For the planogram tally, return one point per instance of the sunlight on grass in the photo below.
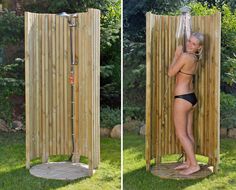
(14, 176)
(136, 177)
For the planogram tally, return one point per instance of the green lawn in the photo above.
(136, 177)
(14, 176)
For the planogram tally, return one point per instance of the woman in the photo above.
(184, 67)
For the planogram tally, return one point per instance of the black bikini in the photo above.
(190, 97)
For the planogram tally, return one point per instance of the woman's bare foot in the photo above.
(182, 166)
(190, 170)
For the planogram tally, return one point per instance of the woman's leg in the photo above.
(185, 121)
(190, 125)
(190, 131)
(181, 110)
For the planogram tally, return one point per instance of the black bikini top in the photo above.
(196, 57)
(187, 73)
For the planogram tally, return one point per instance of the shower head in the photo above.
(185, 9)
(71, 21)
(64, 14)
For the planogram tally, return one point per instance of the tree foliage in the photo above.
(227, 110)
(11, 29)
(228, 40)
(11, 84)
(134, 15)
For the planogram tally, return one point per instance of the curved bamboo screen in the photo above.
(160, 47)
(48, 89)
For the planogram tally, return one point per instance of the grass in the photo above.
(136, 177)
(14, 176)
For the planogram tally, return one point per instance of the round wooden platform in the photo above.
(167, 171)
(60, 170)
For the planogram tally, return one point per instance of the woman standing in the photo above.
(184, 67)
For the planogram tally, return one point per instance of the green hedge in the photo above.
(110, 117)
(227, 110)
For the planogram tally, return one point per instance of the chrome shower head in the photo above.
(64, 14)
(71, 21)
(185, 9)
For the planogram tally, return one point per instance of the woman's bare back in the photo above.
(184, 78)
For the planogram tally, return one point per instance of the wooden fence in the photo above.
(48, 88)
(161, 44)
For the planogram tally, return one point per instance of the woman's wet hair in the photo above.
(200, 38)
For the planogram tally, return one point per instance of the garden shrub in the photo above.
(110, 117)
(227, 110)
(11, 84)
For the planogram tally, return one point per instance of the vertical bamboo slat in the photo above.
(40, 84)
(54, 105)
(37, 76)
(50, 136)
(27, 90)
(96, 44)
(148, 90)
(57, 88)
(61, 133)
(33, 73)
(46, 88)
(173, 47)
(90, 87)
(159, 133)
(217, 91)
(153, 100)
(44, 159)
(155, 75)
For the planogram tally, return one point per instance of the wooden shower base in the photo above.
(167, 171)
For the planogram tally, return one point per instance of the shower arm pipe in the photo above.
(72, 23)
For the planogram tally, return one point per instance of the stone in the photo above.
(105, 132)
(3, 126)
(116, 131)
(17, 125)
(223, 132)
(142, 130)
(232, 133)
(132, 126)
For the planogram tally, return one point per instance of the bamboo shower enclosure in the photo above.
(48, 88)
(161, 44)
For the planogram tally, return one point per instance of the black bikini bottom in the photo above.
(191, 97)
